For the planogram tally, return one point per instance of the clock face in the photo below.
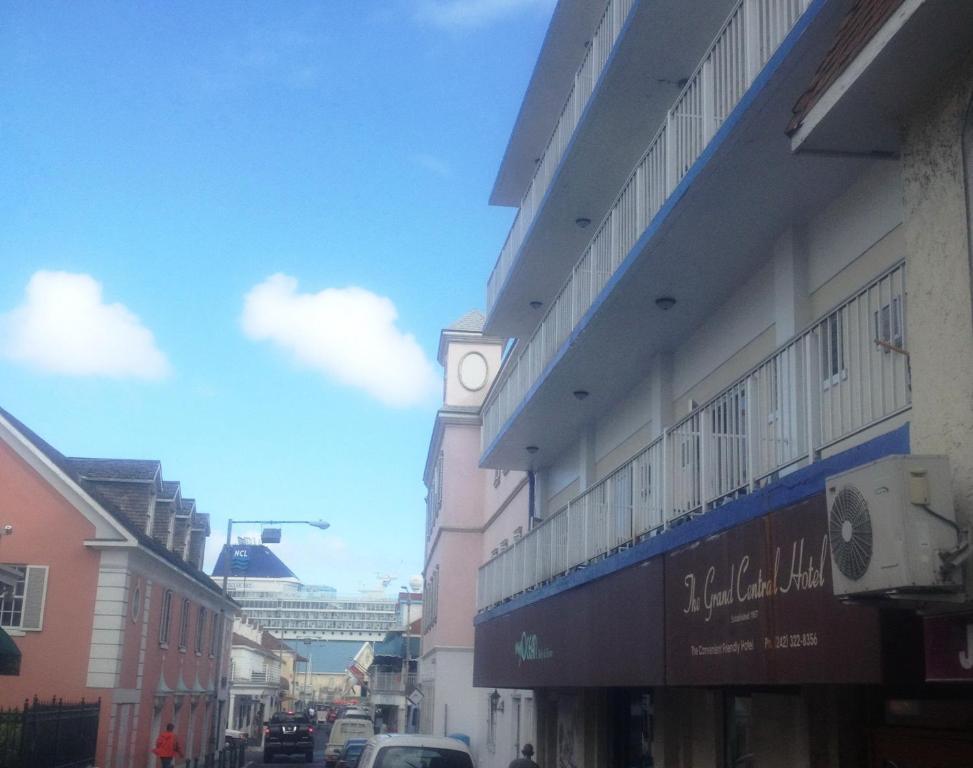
(473, 371)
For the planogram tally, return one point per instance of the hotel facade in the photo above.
(739, 383)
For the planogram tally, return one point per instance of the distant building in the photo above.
(262, 672)
(271, 595)
(107, 600)
(471, 515)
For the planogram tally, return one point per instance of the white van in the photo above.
(342, 730)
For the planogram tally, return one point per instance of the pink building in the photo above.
(470, 514)
(110, 602)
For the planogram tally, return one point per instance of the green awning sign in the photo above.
(9, 655)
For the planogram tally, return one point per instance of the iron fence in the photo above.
(51, 734)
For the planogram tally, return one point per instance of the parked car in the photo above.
(351, 753)
(286, 734)
(343, 729)
(393, 750)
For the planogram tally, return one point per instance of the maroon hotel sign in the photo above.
(754, 605)
(949, 648)
(602, 633)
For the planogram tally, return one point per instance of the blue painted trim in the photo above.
(637, 250)
(789, 490)
(595, 91)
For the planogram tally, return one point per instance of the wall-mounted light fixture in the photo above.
(665, 303)
(496, 701)
(532, 449)
(582, 222)
(580, 394)
(535, 304)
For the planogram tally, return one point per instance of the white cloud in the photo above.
(64, 326)
(348, 334)
(474, 13)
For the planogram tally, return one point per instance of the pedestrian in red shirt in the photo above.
(167, 746)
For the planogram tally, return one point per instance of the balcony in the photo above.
(747, 41)
(602, 42)
(629, 76)
(256, 678)
(391, 682)
(844, 374)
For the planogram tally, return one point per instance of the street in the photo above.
(255, 754)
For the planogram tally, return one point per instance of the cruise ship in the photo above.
(271, 595)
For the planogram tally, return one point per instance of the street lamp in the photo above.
(229, 533)
(405, 676)
(321, 524)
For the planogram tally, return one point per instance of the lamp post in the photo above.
(321, 524)
(405, 675)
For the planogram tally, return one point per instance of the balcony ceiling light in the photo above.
(582, 222)
(580, 394)
(532, 449)
(665, 303)
(535, 304)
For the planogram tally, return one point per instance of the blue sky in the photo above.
(231, 232)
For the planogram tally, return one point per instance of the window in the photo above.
(888, 324)
(200, 628)
(214, 632)
(22, 603)
(164, 619)
(184, 625)
(12, 598)
(832, 339)
(136, 608)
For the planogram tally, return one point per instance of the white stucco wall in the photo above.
(743, 317)
(939, 323)
(854, 221)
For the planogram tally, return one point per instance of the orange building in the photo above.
(110, 602)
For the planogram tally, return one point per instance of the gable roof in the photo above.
(472, 322)
(126, 470)
(64, 465)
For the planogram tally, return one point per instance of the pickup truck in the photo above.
(287, 734)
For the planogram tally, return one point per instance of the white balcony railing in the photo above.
(845, 373)
(602, 42)
(390, 682)
(744, 45)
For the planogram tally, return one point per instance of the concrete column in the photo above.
(791, 305)
(586, 459)
(938, 308)
(660, 382)
(541, 487)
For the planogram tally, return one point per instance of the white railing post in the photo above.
(665, 484)
(811, 390)
(751, 425)
(672, 160)
(702, 471)
(707, 97)
(751, 35)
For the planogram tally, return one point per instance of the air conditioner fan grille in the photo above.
(850, 532)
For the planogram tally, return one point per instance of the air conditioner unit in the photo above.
(893, 529)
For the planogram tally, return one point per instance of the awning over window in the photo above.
(9, 655)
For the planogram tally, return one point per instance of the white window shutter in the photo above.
(35, 594)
